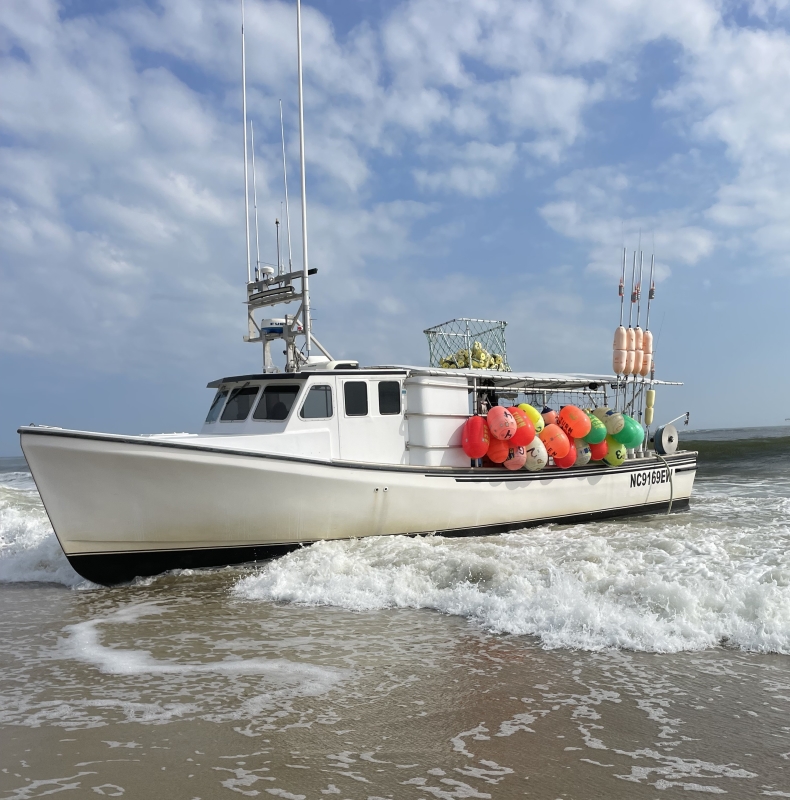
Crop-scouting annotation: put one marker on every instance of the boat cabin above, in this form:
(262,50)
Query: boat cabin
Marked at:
(391,415)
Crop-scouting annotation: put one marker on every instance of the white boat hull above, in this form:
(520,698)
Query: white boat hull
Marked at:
(126,506)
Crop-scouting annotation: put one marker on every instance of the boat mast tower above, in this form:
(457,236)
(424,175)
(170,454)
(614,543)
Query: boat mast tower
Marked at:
(269,289)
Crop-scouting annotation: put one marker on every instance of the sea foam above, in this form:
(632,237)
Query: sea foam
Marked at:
(656,584)
(29,550)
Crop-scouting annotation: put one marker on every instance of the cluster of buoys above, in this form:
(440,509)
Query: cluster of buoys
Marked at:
(481,359)
(522,436)
(632,351)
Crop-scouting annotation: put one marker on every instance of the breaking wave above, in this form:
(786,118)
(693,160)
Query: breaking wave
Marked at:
(718,574)
(29,551)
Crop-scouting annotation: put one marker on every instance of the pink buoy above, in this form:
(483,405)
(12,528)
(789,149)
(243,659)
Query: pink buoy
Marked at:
(517,457)
(501,423)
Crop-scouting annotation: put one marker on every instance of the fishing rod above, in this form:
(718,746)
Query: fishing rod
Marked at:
(630,336)
(638,341)
(620,333)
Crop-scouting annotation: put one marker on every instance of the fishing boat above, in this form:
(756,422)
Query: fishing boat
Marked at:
(328,449)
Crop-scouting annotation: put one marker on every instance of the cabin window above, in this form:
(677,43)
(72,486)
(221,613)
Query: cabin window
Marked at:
(276,402)
(239,404)
(389,397)
(356,397)
(216,406)
(317,404)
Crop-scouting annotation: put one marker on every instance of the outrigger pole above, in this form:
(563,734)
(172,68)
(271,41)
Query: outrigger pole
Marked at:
(285,181)
(244,112)
(305,269)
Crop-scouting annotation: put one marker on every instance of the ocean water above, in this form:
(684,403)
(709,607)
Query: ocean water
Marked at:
(636,658)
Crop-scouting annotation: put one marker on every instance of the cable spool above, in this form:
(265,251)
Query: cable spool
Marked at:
(666,440)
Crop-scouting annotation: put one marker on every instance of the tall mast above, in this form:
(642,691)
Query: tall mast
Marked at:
(255,204)
(244,112)
(285,181)
(305,291)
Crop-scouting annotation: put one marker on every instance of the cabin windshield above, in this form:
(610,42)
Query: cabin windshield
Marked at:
(239,404)
(216,406)
(276,402)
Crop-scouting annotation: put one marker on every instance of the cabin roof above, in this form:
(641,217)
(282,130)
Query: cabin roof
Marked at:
(528,380)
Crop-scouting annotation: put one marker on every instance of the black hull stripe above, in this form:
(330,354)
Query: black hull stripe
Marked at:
(460,473)
(113,568)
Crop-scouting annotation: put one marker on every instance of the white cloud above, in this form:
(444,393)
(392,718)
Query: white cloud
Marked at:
(475,170)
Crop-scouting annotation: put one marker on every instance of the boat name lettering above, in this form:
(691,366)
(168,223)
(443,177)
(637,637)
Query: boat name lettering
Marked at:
(649,478)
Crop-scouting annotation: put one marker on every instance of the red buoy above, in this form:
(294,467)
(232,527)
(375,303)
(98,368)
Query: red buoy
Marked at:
(567,460)
(599,450)
(498,451)
(476,437)
(525,430)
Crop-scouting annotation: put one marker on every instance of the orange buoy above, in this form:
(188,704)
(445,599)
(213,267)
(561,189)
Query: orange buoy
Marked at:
(647,362)
(574,422)
(618,361)
(501,423)
(476,437)
(498,451)
(517,457)
(568,460)
(525,430)
(556,442)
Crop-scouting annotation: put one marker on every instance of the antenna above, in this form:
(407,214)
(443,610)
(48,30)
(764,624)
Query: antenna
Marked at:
(639,289)
(244,112)
(285,181)
(652,291)
(255,205)
(305,268)
(277,232)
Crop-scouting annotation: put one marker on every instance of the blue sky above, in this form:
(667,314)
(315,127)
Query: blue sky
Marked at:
(485,158)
